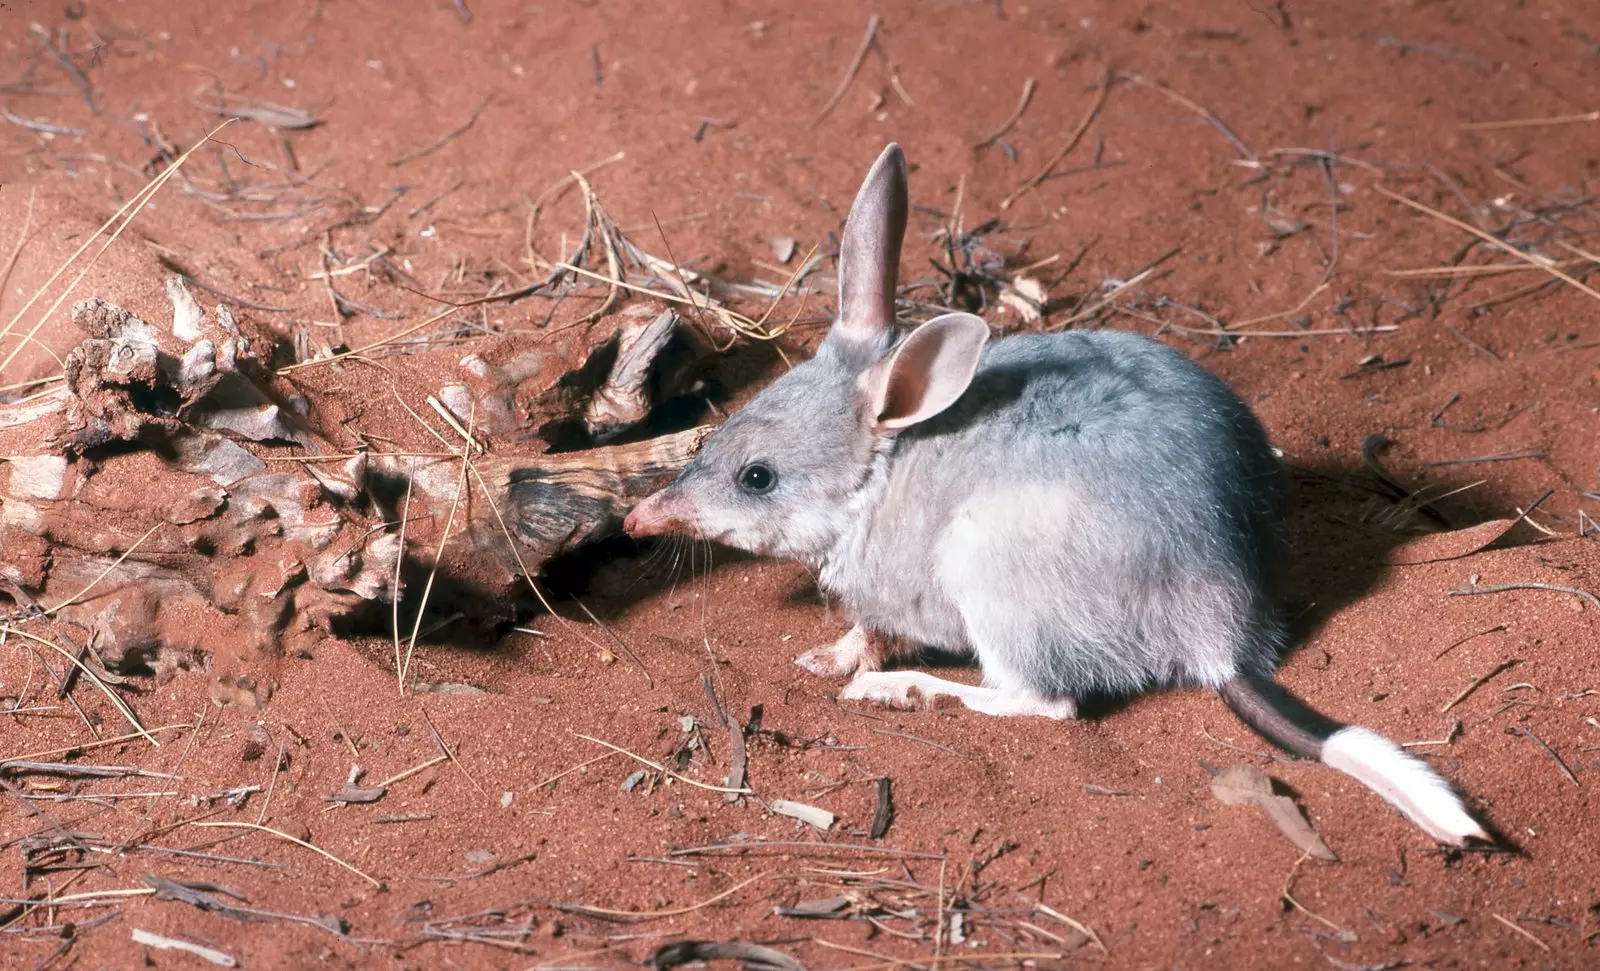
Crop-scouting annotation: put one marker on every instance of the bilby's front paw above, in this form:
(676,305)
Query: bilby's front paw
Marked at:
(852,652)
(892,689)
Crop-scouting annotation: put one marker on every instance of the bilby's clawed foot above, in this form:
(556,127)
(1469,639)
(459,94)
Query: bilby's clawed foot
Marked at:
(857,650)
(892,689)
(917,689)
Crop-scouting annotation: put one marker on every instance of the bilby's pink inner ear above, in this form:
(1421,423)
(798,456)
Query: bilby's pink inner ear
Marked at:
(925,375)
(869,253)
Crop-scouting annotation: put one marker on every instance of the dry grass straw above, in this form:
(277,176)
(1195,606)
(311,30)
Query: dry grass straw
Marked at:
(867,40)
(1028,87)
(1010,956)
(129,210)
(1476,271)
(444,537)
(744,790)
(103,573)
(1246,156)
(298,842)
(22,240)
(96,744)
(1533,260)
(116,700)
(674,912)
(1072,142)
(1525,933)
(1530,122)
(522,566)
(616,245)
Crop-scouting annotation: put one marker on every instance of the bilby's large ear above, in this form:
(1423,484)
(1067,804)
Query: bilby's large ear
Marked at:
(869,254)
(925,375)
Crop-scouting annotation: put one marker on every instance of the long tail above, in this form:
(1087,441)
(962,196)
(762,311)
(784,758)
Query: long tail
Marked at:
(1374,761)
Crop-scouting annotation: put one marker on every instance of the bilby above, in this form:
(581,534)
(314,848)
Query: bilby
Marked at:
(1086,513)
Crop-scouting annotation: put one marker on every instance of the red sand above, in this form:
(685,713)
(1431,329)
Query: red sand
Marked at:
(1165,875)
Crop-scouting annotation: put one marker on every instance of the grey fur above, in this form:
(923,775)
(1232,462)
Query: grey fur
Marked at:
(1092,513)
(1097,513)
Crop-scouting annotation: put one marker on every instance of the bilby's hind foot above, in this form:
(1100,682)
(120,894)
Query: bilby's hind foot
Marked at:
(858,650)
(917,689)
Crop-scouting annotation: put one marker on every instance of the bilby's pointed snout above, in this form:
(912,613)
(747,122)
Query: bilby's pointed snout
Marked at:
(658,515)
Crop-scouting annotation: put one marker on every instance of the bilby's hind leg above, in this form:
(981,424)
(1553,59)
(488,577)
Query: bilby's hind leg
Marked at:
(916,689)
(859,649)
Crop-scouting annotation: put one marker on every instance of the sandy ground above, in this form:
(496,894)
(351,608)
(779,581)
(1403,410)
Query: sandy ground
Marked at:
(1313,107)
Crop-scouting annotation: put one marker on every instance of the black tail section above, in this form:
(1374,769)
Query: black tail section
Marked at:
(1279,716)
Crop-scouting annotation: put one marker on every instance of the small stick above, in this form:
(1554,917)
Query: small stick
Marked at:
(887,961)
(98,895)
(738,756)
(163,943)
(1202,111)
(890,965)
(567,772)
(1473,459)
(22,239)
(914,738)
(1137,279)
(617,641)
(1233,327)
(450,419)
(1523,514)
(92,771)
(1078,926)
(413,771)
(431,202)
(1463,338)
(1471,589)
(439,740)
(899,89)
(1287,896)
(1475,270)
(1492,240)
(796,845)
(883,814)
(850,72)
(1530,123)
(652,914)
(447,138)
(1072,143)
(399,560)
(344,733)
(1455,644)
(1478,683)
(1012,119)
(661,768)
(1548,751)
(272,783)
(1450,736)
(707,683)
(298,842)
(1520,930)
(1246,751)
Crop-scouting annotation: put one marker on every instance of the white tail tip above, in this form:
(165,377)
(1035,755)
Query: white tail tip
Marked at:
(1405,781)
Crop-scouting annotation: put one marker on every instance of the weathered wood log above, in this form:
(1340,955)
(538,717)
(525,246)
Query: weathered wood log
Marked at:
(136,504)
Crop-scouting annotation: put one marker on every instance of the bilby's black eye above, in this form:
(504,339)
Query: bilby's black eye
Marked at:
(757,479)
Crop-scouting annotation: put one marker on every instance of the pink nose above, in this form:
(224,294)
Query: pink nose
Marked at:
(655,516)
